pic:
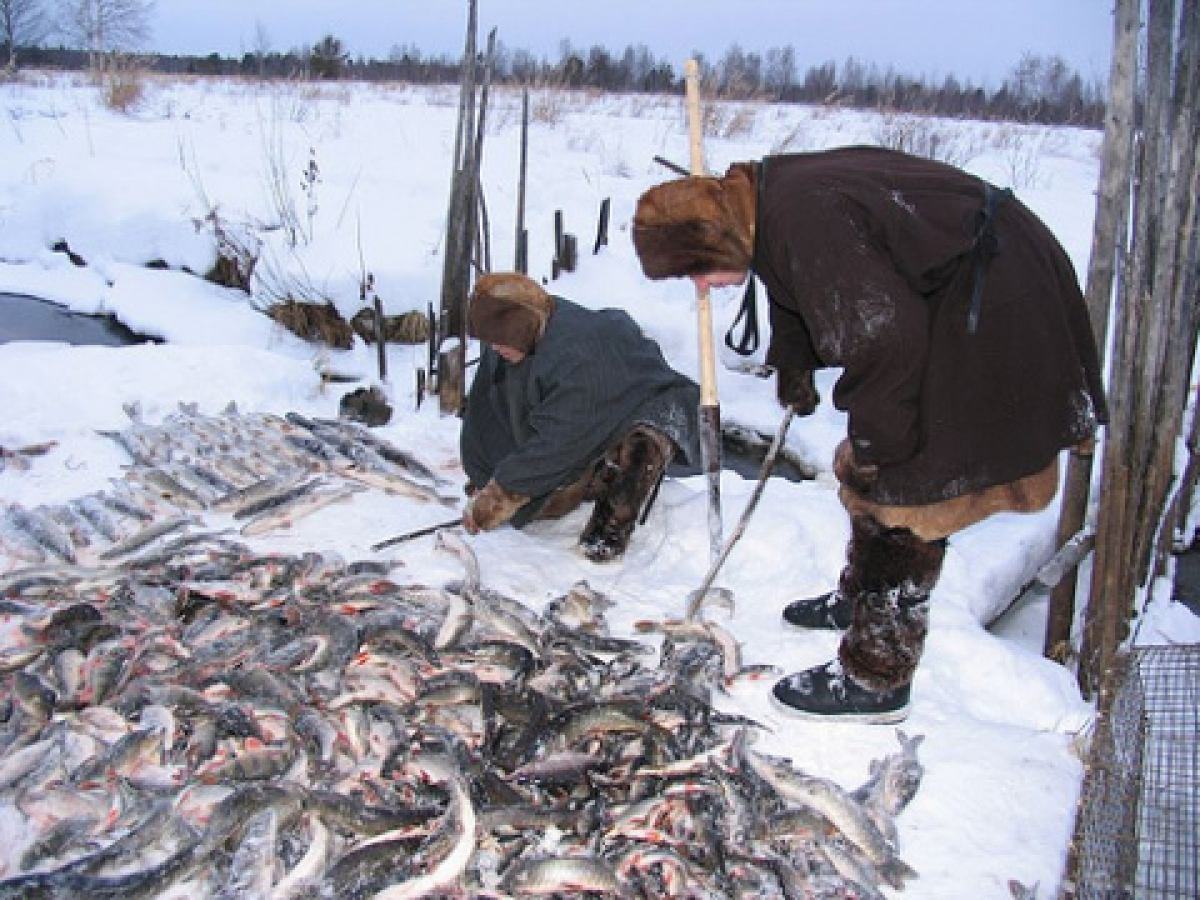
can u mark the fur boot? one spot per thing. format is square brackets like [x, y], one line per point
[640, 460]
[890, 574]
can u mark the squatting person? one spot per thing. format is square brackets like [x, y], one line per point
[568, 405]
[967, 364]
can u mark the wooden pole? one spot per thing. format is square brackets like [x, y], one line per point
[483, 242]
[602, 226]
[1112, 216]
[710, 410]
[450, 327]
[521, 263]
[1154, 345]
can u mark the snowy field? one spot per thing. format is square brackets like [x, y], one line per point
[343, 181]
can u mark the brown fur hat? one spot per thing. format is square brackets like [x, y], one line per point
[697, 225]
[508, 308]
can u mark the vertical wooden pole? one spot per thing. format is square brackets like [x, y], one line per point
[1112, 216]
[710, 410]
[450, 328]
[602, 226]
[521, 263]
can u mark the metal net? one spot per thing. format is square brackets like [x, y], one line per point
[1137, 835]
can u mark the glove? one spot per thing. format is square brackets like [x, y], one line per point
[859, 477]
[491, 507]
[795, 388]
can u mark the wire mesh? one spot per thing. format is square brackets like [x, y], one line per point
[1137, 834]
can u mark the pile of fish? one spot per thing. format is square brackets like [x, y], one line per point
[266, 471]
[273, 726]
[188, 716]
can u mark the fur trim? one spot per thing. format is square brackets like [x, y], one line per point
[938, 520]
[492, 506]
[697, 225]
[889, 574]
[509, 308]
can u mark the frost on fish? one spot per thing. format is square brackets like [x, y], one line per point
[189, 715]
[249, 737]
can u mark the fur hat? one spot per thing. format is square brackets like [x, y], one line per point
[508, 308]
[697, 225]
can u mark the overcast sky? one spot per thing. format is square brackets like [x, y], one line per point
[977, 40]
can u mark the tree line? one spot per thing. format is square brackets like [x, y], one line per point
[1038, 88]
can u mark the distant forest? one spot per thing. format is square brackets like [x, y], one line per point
[1038, 89]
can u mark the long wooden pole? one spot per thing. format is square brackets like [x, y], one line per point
[1112, 217]
[710, 409]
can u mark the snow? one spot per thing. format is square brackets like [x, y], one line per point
[1002, 725]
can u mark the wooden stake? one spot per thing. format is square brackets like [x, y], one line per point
[710, 410]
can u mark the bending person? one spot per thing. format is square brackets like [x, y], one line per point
[569, 405]
[967, 364]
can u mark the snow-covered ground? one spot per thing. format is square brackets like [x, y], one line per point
[1001, 725]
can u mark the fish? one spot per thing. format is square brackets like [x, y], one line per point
[895, 779]
[285, 515]
[847, 816]
[296, 725]
[252, 866]
[440, 862]
[45, 532]
[166, 484]
[146, 536]
[140, 747]
[267, 500]
[93, 509]
[16, 766]
[393, 483]
[255, 492]
[564, 874]
[451, 541]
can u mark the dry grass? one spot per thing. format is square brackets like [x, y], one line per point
[123, 86]
[925, 136]
[318, 322]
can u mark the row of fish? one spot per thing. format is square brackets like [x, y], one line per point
[210, 721]
[265, 471]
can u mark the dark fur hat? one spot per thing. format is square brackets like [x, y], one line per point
[508, 308]
[697, 225]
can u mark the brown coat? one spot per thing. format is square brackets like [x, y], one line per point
[869, 260]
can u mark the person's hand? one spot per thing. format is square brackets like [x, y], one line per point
[490, 507]
[797, 390]
[859, 477]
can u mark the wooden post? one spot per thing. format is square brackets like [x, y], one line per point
[521, 263]
[451, 321]
[1112, 216]
[483, 242]
[556, 263]
[570, 253]
[710, 410]
[1155, 340]
[602, 226]
[463, 239]
[380, 338]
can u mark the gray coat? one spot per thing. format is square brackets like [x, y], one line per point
[537, 425]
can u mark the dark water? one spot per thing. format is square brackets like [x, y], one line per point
[25, 318]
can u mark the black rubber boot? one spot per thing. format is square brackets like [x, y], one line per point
[641, 459]
[831, 612]
[826, 692]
